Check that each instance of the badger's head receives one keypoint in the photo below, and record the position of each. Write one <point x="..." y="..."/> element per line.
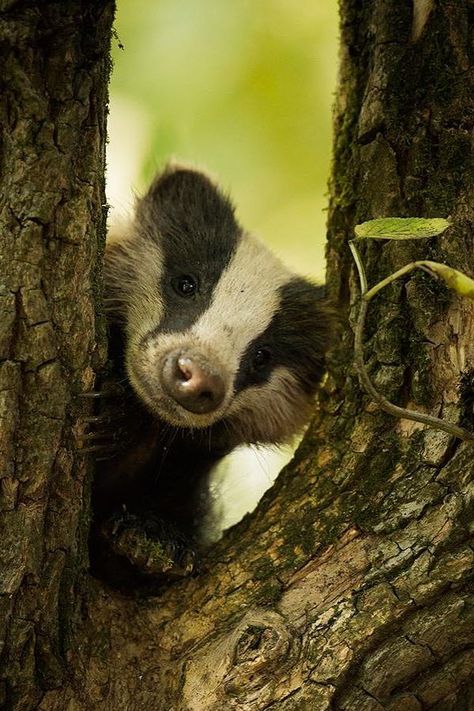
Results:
<point x="217" y="329"/>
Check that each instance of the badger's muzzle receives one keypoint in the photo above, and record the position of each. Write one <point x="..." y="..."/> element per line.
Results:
<point x="192" y="383"/>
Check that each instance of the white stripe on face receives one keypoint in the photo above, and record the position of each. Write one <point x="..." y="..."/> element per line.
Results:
<point x="243" y="304"/>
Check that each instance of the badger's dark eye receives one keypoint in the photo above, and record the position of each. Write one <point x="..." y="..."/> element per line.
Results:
<point x="261" y="358"/>
<point x="185" y="285"/>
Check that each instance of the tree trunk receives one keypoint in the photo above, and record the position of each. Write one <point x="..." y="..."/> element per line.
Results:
<point x="348" y="588"/>
<point x="54" y="75"/>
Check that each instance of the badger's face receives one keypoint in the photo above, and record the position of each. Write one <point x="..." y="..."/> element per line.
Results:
<point x="217" y="329"/>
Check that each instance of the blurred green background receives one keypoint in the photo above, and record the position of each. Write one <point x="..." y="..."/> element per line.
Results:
<point x="241" y="88"/>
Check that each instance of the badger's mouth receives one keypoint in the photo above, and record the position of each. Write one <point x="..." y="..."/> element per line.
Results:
<point x="183" y="386"/>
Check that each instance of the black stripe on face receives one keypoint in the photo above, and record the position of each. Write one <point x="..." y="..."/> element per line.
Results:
<point x="297" y="338"/>
<point x="197" y="232"/>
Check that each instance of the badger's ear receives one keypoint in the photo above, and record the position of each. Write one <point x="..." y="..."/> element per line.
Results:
<point x="187" y="200"/>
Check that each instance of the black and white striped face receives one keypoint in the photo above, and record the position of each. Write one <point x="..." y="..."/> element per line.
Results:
<point x="217" y="329"/>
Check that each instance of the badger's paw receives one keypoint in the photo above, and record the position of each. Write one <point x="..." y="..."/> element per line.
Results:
<point x="103" y="432"/>
<point x="155" y="548"/>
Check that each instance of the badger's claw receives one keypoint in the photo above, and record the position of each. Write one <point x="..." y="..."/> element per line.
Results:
<point x="101" y="452"/>
<point x="98" y="435"/>
<point x="105" y="435"/>
<point x="101" y="441"/>
<point x="94" y="394"/>
<point x="152" y="546"/>
<point x="97" y="419"/>
<point x="109" y="390"/>
<point x="91" y="436"/>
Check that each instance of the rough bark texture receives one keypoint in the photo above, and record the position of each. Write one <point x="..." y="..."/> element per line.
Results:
<point x="348" y="589"/>
<point x="54" y="59"/>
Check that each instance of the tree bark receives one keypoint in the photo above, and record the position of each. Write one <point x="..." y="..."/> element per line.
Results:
<point x="53" y="103"/>
<point x="348" y="588"/>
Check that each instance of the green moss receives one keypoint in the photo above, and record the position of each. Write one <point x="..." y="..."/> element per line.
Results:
<point x="419" y="366"/>
<point x="378" y="466"/>
<point x="429" y="297"/>
<point x="270" y="593"/>
<point x="101" y="643"/>
<point x="300" y="533"/>
<point x="150" y="549"/>
<point x="466" y="392"/>
<point x="264" y="569"/>
<point x="433" y="294"/>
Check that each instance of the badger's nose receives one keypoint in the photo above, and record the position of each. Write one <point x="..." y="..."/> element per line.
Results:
<point x="192" y="384"/>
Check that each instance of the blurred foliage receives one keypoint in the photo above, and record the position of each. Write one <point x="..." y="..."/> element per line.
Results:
<point x="241" y="88"/>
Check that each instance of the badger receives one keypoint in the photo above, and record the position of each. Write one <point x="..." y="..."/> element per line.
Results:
<point x="214" y="343"/>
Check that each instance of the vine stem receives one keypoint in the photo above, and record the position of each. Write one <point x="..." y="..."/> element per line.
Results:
<point x="360" y="266"/>
<point x="359" y="364"/>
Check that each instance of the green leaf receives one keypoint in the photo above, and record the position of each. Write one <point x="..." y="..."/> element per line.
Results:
<point x="401" y="228"/>
<point x="456" y="280"/>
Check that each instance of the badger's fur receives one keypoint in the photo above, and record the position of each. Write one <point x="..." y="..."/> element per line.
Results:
<point x="220" y="343"/>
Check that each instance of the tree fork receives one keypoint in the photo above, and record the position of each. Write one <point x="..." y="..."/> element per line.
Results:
<point x="349" y="586"/>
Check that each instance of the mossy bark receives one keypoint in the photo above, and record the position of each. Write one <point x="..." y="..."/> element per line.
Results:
<point x="349" y="587"/>
<point x="54" y="59"/>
